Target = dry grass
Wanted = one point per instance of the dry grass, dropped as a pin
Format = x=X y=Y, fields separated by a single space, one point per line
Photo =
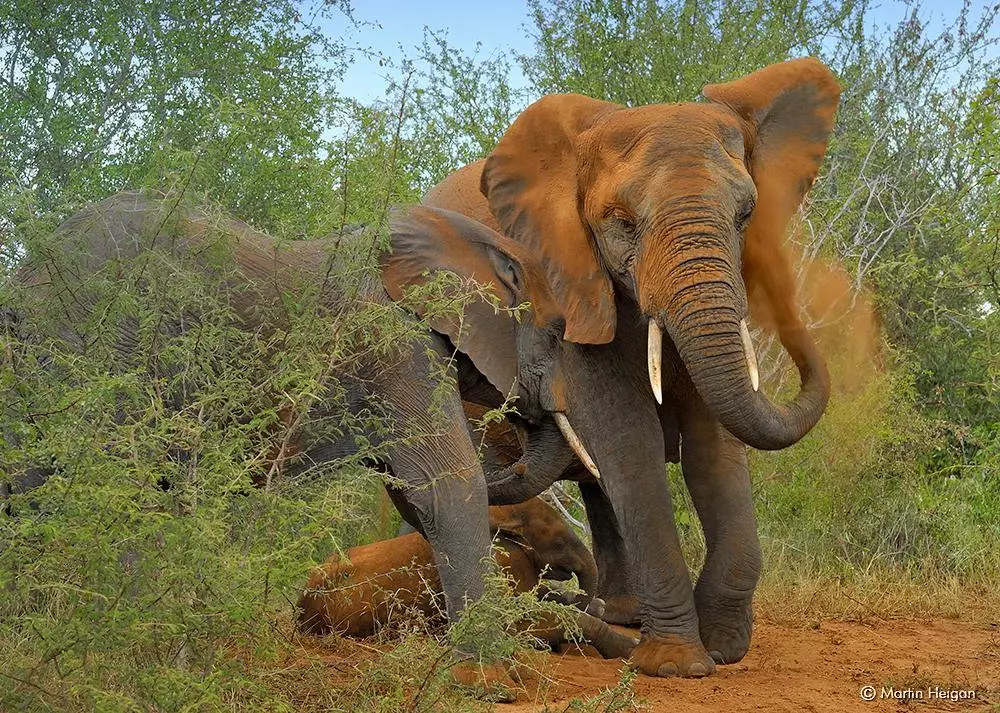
x=787 y=598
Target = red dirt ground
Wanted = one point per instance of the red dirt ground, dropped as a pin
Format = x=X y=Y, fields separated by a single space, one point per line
x=807 y=669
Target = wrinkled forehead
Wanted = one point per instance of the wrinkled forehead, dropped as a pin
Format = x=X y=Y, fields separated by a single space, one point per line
x=671 y=128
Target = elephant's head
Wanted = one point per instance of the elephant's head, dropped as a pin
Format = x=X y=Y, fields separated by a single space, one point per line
x=428 y=240
x=524 y=358
x=682 y=206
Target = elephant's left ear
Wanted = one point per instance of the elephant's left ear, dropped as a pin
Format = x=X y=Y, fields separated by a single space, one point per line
x=426 y=240
x=789 y=110
x=791 y=106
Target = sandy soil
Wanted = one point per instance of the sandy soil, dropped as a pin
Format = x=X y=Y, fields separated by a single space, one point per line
x=818 y=668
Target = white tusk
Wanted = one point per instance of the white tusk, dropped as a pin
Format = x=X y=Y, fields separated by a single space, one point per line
x=654 y=359
x=750 y=355
x=575 y=443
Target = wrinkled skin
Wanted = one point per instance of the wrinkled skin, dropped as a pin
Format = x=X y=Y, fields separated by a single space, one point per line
x=665 y=214
x=501 y=449
x=384 y=581
x=442 y=482
x=551 y=544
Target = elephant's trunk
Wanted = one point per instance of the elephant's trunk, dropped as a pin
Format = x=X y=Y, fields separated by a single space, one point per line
x=546 y=458
x=705 y=317
x=586 y=570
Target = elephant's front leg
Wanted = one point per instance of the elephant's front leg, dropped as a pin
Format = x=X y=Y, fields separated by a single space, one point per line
x=438 y=473
x=715 y=469
x=637 y=488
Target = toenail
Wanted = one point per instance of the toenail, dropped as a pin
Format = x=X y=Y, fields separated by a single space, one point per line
x=667 y=669
x=697 y=670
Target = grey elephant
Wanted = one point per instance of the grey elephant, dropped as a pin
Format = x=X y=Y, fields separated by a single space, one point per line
x=437 y=478
x=665 y=218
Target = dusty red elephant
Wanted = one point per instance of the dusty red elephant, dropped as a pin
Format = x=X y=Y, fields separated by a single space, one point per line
x=377 y=583
x=658 y=227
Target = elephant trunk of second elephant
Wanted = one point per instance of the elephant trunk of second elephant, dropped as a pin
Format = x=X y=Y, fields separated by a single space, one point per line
x=545 y=460
x=586 y=572
x=704 y=317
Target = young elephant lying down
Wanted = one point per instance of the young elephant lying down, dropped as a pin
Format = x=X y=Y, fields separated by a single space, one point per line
x=361 y=594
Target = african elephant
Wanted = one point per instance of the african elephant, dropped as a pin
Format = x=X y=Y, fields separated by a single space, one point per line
x=648 y=219
x=359 y=595
x=552 y=547
x=437 y=475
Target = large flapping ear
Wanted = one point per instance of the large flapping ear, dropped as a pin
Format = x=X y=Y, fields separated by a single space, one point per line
x=789 y=110
x=531 y=183
x=426 y=240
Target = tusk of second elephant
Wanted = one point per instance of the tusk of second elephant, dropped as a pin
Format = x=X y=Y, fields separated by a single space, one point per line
x=654 y=359
x=750 y=355
x=575 y=443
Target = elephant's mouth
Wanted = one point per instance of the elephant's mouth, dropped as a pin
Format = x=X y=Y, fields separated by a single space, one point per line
x=654 y=357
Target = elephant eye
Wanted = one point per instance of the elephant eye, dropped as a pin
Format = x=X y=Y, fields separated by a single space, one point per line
x=512 y=275
x=743 y=216
x=506 y=268
x=623 y=222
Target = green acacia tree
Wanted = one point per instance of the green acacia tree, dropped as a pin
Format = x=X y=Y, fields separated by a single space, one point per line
x=235 y=96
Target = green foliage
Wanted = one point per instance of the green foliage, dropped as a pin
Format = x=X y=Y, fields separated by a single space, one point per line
x=149 y=552
x=493 y=626
x=619 y=49
x=98 y=97
x=415 y=673
x=618 y=698
x=462 y=106
x=443 y=110
x=372 y=163
x=907 y=203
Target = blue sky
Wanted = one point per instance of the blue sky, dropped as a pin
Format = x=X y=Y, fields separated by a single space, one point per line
x=503 y=25
x=499 y=25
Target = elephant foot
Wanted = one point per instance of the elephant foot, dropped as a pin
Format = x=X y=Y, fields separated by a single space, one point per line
x=488 y=682
x=725 y=626
x=622 y=609
x=668 y=656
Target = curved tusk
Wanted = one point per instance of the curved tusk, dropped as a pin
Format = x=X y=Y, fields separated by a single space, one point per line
x=750 y=355
x=654 y=359
x=575 y=443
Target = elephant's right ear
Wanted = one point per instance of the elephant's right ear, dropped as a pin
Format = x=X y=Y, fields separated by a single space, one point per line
x=530 y=181
x=426 y=240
